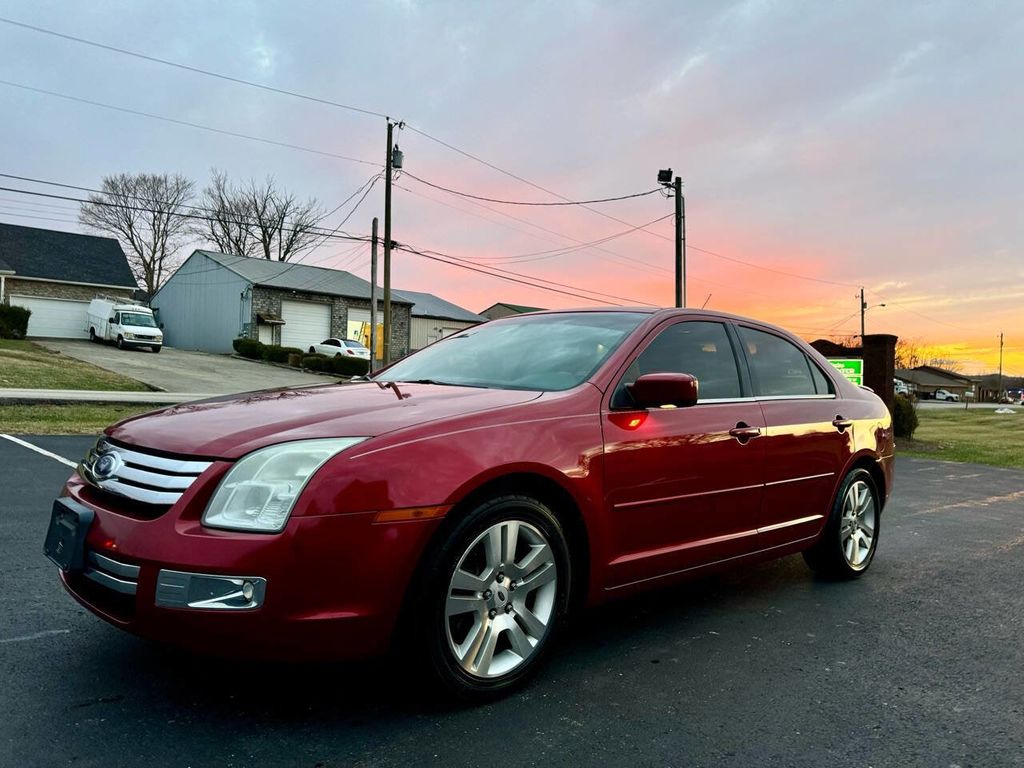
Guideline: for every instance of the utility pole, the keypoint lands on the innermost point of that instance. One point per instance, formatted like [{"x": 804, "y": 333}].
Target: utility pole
[
  {"x": 676, "y": 185},
  {"x": 999, "y": 390},
  {"x": 680, "y": 243},
  {"x": 863, "y": 309},
  {"x": 373, "y": 296},
  {"x": 387, "y": 248}
]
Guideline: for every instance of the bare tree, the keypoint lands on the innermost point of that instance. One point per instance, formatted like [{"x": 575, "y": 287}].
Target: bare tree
[
  {"x": 146, "y": 213},
  {"x": 908, "y": 353},
  {"x": 228, "y": 223},
  {"x": 259, "y": 219}
]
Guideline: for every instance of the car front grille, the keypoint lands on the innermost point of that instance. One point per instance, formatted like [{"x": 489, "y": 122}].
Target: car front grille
[{"x": 138, "y": 475}]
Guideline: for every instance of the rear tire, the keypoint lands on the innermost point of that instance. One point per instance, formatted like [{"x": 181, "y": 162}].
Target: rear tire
[
  {"x": 490, "y": 599},
  {"x": 312, "y": 351},
  {"x": 848, "y": 544},
  {"x": 92, "y": 336}
]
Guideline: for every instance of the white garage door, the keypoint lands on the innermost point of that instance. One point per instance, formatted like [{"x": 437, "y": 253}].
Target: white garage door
[
  {"x": 57, "y": 318},
  {"x": 305, "y": 323}
]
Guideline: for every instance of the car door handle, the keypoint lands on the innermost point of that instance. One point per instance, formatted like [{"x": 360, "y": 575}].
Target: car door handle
[
  {"x": 744, "y": 432},
  {"x": 841, "y": 424}
]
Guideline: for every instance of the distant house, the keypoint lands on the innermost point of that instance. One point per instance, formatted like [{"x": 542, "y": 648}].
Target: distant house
[
  {"x": 214, "y": 298},
  {"x": 502, "y": 309},
  {"x": 56, "y": 275},
  {"x": 434, "y": 318},
  {"x": 925, "y": 379}
]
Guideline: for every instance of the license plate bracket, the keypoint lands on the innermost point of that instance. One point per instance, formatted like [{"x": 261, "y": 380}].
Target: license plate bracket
[{"x": 65, "y": 538}]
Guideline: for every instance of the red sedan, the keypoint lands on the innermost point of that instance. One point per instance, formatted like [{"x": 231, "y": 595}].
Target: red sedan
[{"x": 463, "y": 501}]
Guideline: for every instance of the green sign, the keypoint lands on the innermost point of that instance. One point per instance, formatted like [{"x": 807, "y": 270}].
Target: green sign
[{"x": 851, "y": 367}]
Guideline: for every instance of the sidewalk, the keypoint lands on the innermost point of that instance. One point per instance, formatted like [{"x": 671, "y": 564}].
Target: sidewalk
[{"x": 59, "y": 396}]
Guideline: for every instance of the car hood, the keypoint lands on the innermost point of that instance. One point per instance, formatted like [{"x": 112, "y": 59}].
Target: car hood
[{"x": 231, "y": 426}]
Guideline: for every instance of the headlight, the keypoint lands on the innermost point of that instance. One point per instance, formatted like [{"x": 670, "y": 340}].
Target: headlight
[
  {"x": 259, "y": 491},
  {"x": 129, "y": 335}
]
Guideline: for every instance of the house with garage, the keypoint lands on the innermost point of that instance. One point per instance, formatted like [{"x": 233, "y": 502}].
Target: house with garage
[
  {"x": 214, "y": 298},
  {"x": 434, "y": 318},
  {"x": 56, "y": 274}
]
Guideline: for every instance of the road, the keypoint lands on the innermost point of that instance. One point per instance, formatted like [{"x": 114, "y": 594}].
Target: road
[
  {"x": 178, "y": 370},
  {"x": 918, "y": 664}
]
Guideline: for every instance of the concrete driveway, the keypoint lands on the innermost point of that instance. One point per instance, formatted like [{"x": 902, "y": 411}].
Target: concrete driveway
[{"x": 176, "y": 370}]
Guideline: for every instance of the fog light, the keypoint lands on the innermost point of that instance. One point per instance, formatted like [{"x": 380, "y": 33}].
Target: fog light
[{"x": 204, "y": 591}]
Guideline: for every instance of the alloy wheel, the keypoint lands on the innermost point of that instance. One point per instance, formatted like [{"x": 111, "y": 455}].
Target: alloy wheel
[
  {"x": 501, "y": 599},
  {"x": 857, "y": 526}
]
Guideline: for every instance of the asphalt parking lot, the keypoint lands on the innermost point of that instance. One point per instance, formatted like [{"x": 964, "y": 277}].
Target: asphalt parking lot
[{"x": 918, "y": 664}]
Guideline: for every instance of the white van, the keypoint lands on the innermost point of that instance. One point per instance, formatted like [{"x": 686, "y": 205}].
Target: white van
[{"x": 125, "y": 324}]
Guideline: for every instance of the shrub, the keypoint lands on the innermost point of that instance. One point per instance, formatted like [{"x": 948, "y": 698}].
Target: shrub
[
  {"x": 314, "y": 362},
  {"x": 904, "y": 417},
  {"x": 349, "y": 366},
  {"x": 13, "y": 321},
  {"x": 250, "y": 348},
  {"x": 238, "y": 341},
  {"x": 295, "y": 359},
  {"x": 277, "y": 354}
]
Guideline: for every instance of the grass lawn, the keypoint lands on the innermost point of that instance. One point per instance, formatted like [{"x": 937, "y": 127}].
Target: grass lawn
[
  {"x": 24, "y": 365},
  {"x": 975, "y": 435},
  {"x": 78, "y": 419}
]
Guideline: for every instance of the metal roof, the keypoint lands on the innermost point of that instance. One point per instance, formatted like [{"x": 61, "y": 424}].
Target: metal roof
[
  {"x": 67, "y": 256},
  {"x": 429, "y": 305},
  {"x": 293, "y": 276}
]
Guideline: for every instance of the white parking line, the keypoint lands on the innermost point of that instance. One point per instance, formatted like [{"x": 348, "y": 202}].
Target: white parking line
[
  {"x": 37, "y": 449},
  {"x": 35, "y": 635}
]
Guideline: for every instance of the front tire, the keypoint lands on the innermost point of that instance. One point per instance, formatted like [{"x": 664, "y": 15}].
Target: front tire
[
  {"x": 156, "y": 349},
  {"x": 495, "y": 594},
  {"x": 847, "y": 545},
  {"x": 120, "y": 342}
]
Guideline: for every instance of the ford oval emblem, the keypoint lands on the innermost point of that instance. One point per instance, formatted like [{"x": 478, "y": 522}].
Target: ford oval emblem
[{"x": 106, "y": 465}]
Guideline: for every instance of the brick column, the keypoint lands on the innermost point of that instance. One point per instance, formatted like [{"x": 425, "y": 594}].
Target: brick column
[{"x": 879, "y": 354}]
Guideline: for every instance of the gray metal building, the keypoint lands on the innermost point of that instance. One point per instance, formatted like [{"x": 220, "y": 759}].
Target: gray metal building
[
  {"x": 214, "y": 298},
  {"x": 434, "y": 318}
]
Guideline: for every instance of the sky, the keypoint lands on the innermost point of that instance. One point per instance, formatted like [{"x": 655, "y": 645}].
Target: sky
[{"x": 822, "y": 146}]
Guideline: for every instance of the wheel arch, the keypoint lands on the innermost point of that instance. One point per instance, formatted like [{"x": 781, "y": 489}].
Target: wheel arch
[
  {"x": 517, "y": 481},
  {"x": 868, "y": 461}
]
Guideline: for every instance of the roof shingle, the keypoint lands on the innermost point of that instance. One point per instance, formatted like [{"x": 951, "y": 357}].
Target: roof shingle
[{"x": 51, "y": 255}]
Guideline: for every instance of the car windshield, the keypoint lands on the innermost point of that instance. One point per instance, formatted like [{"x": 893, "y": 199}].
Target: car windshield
[
  {"x": 137, "y": 319},
  {"x": 550, "y": 352}
]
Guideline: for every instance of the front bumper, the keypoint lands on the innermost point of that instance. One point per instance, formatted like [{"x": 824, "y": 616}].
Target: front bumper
[{"x": 332, "y": 585}]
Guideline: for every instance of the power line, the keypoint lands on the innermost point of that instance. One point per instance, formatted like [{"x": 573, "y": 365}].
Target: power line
[
  {"x": 413, "y": 128},
  {"x": 176, "y": 121},
  {"x": 145, "y": 210},
  {"x": 491, "y": 274},
  {"x": 466, "y": 262},
  {"x": 523, "y": 202},
  {"x": 189, "y": 68}
]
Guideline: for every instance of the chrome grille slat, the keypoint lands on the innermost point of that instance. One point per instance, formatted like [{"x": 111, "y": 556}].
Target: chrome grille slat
[
  {"x": 177, "y": 466},
  {"x": 141, "y": 476},
  {"x": 168, "y": 482}
]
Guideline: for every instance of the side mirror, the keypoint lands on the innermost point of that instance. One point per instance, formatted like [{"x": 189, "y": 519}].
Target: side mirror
[
  {"x": 657, "y": 390},
  {"x": 111, "y": 320}
]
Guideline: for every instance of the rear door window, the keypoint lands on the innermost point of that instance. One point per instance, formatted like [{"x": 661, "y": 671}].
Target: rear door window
[{"x": 779, "y": 368}]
